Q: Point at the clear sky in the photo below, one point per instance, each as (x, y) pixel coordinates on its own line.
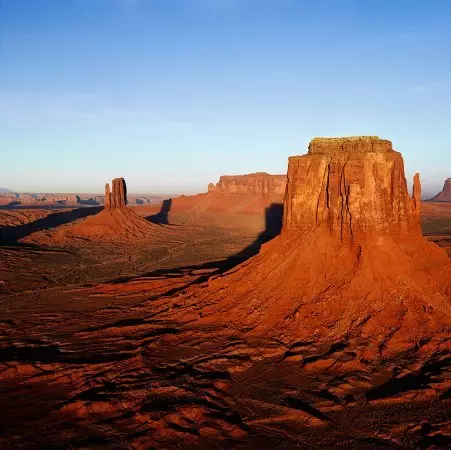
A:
(170, 94)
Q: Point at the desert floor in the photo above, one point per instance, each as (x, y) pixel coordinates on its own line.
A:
(102, 347)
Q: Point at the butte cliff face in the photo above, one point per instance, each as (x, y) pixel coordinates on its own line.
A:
(445, 194)
(350, 264)
(259, 183)
(351, 185)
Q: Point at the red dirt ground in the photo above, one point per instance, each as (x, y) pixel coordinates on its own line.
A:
(117, 344)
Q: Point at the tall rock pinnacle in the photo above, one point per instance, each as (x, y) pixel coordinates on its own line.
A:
(416, 194)
(117, 198)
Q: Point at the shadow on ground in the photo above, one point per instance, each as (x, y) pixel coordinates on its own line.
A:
(162, 217)
(273, 226)
(10, 235)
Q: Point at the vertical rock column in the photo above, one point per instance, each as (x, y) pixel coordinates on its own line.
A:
(117, 198)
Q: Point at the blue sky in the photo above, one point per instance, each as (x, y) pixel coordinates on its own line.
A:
(171, 94)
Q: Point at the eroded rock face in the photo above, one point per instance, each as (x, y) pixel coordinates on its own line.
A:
(445, 194)
(259, 183)
(117, 198)
(352, 185)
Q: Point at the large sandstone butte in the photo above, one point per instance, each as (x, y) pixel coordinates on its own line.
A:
(259, 183)
(350, 264)
(445, 194)
(351, 185)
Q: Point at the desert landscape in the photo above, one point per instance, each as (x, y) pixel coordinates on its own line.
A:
(310, 310)
(225, 224)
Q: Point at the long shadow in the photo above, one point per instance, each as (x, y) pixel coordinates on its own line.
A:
(273, 226)
(88, 202)
(162, 217)
(10, 235)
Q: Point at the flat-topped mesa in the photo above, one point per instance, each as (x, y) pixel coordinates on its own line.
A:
(117, 198)
(351, 185)
(445, 194)
(259, 183)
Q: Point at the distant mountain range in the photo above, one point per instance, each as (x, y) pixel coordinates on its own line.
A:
(4, 190)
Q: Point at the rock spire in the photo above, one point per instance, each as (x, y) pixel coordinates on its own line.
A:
(117, 197)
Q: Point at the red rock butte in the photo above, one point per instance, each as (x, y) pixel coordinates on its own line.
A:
(350, 263)
(352, 185)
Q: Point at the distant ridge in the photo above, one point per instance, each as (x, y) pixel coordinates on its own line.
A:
(445, 194)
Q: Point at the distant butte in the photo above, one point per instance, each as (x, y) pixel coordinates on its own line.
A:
(445, 194)
(259, 183)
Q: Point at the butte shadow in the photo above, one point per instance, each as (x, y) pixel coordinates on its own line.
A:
(10, 235)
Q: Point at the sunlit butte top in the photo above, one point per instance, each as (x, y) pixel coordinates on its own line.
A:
(366, 144)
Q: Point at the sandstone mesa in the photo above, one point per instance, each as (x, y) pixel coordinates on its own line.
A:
(259, 183)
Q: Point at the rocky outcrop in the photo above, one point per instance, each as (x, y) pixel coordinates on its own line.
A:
(352, 185)
(445, 194)
(259, 183)
(117, 198)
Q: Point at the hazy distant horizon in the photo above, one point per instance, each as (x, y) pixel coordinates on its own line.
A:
(427, 193)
